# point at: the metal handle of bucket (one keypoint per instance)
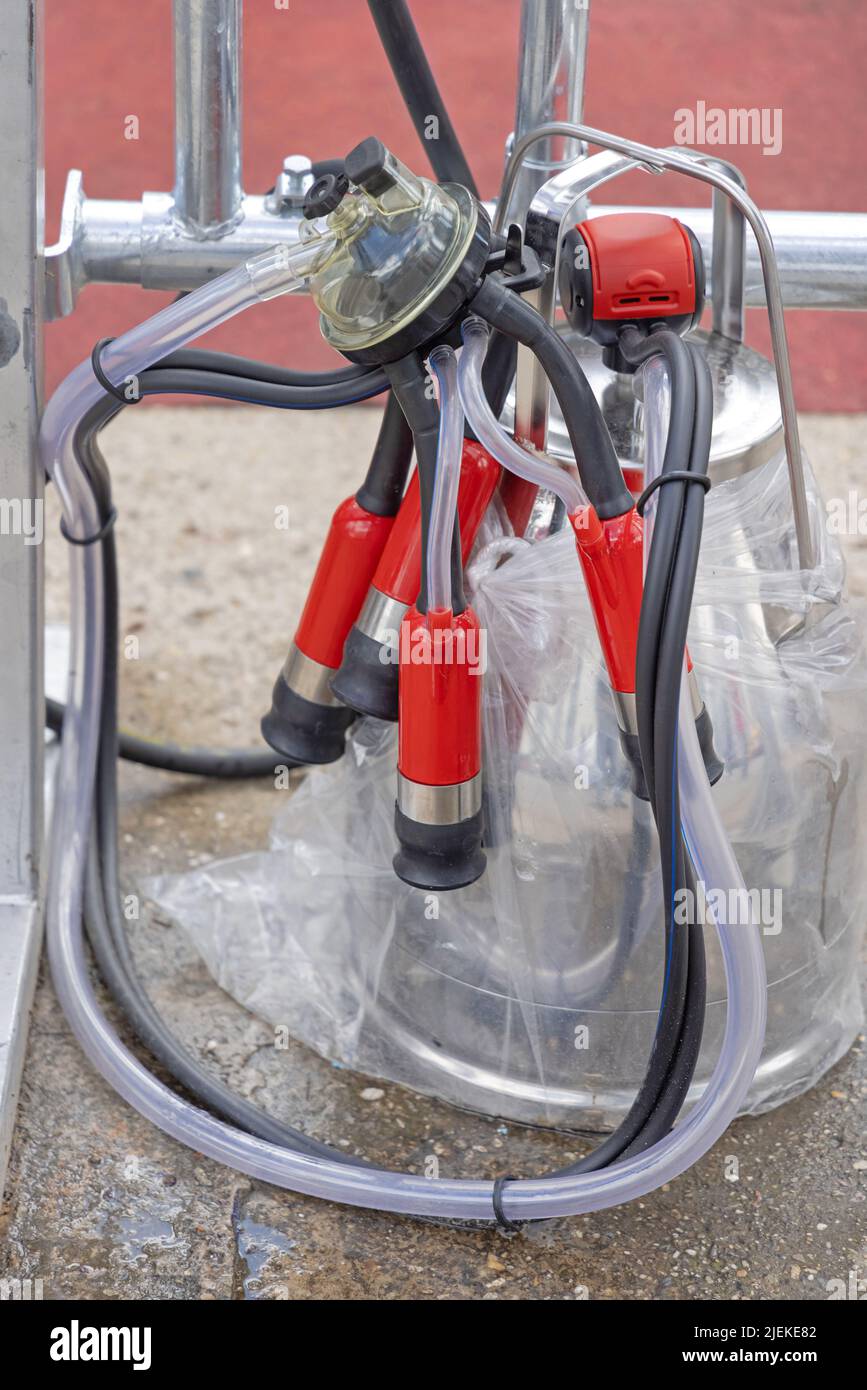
(548, 219)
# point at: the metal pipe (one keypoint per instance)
(552, 66)
(694, 164)
(111, 242)
(551, 72)
(207, 194)
(170, 260)
(729, 256)
(822, 256)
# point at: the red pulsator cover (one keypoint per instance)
(398, 573)
(440, 697)
(642, 266)
(611, 555)
(349, 558)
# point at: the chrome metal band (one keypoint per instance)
(695, 694)
(308, 678)
(626, 711)
(381, 616)
(439, 805)
(624, 708)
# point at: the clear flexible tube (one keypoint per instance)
(444, 365)
(534, 468)
(282, 270)
(410, 1193)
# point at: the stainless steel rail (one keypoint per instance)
(728, 254)
(821, 256)
(552, 64)
(106, 242)
(207, 197)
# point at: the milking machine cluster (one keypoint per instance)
(437, 308)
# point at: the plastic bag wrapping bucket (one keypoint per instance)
(533, 994)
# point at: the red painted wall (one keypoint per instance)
(315, 81)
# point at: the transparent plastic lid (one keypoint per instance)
(398, 240)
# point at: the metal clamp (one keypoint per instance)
(548, 218)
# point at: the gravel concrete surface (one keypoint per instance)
(101, 1205)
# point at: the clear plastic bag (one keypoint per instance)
(533, 993)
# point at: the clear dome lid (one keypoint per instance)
(398, 241)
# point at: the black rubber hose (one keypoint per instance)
(672, 645)
(231, 764)
(409, 382)
(638, 349)
(498, 370)
(103, 919)
(175, 381)
(200, 379)
(664, 619)
(150, 1028)
(662, 631)
(678, 1079)
(382, 490)
(412, 73)
(107, 936)
(594, 452)
(228, 364)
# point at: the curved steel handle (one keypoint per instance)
(728, 258)
(549, 203)
(556, 204)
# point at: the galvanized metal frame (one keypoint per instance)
(21, 616)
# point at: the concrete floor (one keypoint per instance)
(101, 1205)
